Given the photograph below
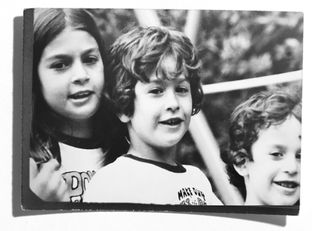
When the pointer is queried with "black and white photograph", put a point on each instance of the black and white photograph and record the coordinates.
(179, 110)
(159, 115)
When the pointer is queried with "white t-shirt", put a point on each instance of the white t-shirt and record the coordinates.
(79, 164)
(131, 179)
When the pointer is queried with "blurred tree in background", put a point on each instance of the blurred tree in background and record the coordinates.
(232, 45)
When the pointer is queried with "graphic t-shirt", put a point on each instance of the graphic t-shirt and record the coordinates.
(79, 165)
(131, 179)
(80, 159)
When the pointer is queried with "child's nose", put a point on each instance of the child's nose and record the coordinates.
(80, 74)
(172, 102)
(291, 165)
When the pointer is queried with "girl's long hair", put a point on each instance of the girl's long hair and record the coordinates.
(49, 23)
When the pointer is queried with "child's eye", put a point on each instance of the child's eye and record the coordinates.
(298, 155)
(277, 154)
(59, 66)
(91, 59)
(156, 91)
(182, 89)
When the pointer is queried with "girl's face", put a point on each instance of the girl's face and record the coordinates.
(273, 177)
(71, 74)
(162, 111)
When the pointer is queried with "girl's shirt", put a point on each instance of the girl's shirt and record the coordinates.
(80, 159)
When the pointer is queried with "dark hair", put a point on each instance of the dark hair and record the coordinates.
(140, 52)
(48, 24)
(259, 112)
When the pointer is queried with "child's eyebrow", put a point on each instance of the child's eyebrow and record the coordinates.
(278, 146)
(181, 79)
(58, 56)
(178, 80)
(66, 56)
(281, 147)
(176, 77)
(91, 50)
(156, 80)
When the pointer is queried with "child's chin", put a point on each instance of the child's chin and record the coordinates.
(291, 202)
(170, 143)
(83, 114)
(285, 201)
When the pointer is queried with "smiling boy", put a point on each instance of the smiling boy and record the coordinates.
(265, 137)
(155, 88)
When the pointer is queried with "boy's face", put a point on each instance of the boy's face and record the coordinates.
(162, 111)
(273, 177)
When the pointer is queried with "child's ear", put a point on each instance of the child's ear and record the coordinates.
(242, 169)
(242, 162)
(123, 118)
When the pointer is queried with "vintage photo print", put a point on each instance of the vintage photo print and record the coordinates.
(162, 110)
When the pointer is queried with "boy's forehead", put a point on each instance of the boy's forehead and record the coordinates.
(286, 133)
(159, 79)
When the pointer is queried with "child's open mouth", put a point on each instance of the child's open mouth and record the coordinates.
(172, 122)
(287, 184)
(81, 95)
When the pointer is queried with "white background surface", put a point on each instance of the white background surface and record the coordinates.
(307, 220)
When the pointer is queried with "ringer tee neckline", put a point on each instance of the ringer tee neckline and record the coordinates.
(178, 168)
(84, 143)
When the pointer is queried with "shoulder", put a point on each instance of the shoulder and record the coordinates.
(195, 176)
(204, 183)
(102, 180)
(110, 181)
(195, 171)
(119, 165)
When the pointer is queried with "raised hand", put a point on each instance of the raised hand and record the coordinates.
(47, 182)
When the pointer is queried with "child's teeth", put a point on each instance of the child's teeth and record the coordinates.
(172, 121)
(80, 95)
(287, 184)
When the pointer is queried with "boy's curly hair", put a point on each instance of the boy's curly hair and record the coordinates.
(137, 54)
(259, 112)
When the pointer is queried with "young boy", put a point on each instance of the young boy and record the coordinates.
(155, 88)
(265, 136)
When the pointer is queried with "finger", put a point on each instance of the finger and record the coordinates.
(46, 180)
(48, 168)
(33, 169)
(51, 186)
(58, 187)
(54, 180)
(62, 192)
